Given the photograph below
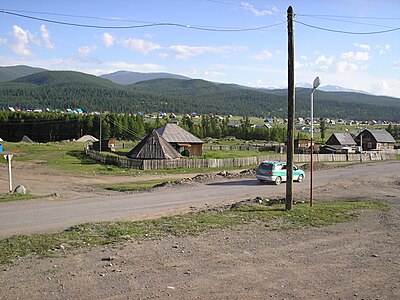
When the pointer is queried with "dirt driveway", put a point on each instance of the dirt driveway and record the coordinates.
(355, 260)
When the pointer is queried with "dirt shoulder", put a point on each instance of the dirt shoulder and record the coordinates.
(355, 260)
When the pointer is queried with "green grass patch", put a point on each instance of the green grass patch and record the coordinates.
(16, 197)
(133, 186)
(191, 224)
(233, 154)
(398, 156)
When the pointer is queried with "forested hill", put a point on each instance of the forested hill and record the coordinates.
(14, 72)
(66, 89)
(199, 94)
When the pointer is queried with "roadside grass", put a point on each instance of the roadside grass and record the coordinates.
(398, 156)
(134, 186)
(16, 197)
(191, 224)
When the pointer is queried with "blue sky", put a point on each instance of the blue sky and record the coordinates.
(258, 58)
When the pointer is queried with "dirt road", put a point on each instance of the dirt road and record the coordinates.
(354, 260)
(24, 217)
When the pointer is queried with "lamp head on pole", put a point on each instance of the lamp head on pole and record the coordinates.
(316, 83)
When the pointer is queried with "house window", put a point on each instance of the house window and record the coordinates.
(369, 145)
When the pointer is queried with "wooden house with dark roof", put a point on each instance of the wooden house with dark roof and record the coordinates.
(339, 143)
(341, 139)
(375, 140)
(154, 146)
(183, 141)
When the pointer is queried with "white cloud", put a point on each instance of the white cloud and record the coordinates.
(356, 56)
(265, 54)
(322, 59)
(46, 37)
(150, 36)
(108, 39)
(184, 52)
(85, 50)
(303, 57)
(163, 55)
(397, 64)
(345, 66)
(209, 74)
(298, 65)
(258, 12)
(363, 46)
(21, 40)
(384, 49)
(3, 41)
(140, 45)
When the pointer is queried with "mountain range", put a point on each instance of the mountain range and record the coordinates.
(132, 92)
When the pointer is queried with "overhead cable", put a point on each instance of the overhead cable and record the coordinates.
(188, 26)
(348, 32)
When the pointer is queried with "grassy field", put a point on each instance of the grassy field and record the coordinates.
(191, 224)
(70, 157)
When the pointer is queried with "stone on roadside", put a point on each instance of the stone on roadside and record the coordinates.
(20, 190)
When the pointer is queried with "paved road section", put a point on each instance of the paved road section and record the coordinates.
(40, 216)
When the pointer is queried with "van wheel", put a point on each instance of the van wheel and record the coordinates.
(261, 181)
(300, 178)
(278, 180)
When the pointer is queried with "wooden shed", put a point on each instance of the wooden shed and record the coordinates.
(183, 141)
(375, 140)
(153, 146)
(106, 145)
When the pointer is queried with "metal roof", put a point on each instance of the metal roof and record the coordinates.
(172, 133)
(381, 136)
(344, 138)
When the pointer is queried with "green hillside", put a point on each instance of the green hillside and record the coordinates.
(67, 89)
(14, 72)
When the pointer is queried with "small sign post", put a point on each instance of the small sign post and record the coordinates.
(9, 157)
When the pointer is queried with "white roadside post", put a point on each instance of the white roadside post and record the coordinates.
(9, 157)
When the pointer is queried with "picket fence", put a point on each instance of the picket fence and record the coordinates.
(125, 162)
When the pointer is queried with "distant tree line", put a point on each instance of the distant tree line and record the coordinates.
(210, 126)
(394, 130)
(50, 127)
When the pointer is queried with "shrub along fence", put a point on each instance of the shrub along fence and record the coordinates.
(253, 147)
(125, 162)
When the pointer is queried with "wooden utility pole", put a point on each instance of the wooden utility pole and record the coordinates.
(291, 111)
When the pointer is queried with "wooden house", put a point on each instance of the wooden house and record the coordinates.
(153, 146)
(375, 140)
(183, 141)
(339, 143)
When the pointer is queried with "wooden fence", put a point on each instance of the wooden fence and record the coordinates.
(125, 162)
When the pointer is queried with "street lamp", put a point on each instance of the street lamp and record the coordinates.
(316, 84)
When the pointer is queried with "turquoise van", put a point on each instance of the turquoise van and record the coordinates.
(275, 171)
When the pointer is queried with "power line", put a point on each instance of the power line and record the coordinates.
(124, 128)
(187, 26)
(348, 32)
(350, 17)
(346, 21)
(77, 16)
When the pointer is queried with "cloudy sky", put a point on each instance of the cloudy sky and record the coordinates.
(353, 43)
